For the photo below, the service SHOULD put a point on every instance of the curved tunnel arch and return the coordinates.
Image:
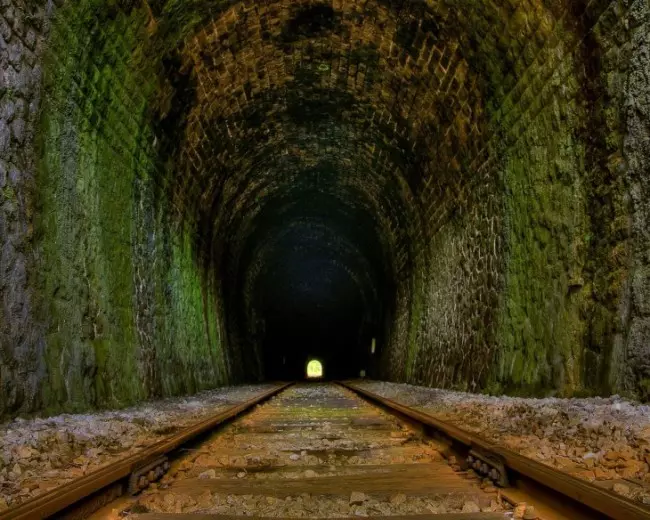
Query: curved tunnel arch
(383, 92)
(313, 111)
(433, 161)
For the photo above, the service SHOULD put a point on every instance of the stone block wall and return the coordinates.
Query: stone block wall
(22, 366)
(105, 301)
(555, 247)
(633, 90)
(494, 156)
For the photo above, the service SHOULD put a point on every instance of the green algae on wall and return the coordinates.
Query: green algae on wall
(191, 344)
(540, 310)
(131, 315)
(541, 328)
(566, 224)
(85, 195)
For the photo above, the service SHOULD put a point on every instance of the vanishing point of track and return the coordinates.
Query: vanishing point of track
(347, 452)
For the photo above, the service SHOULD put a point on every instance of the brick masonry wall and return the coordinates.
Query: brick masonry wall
(562, 249)
(495, 154)
(22, 367)
(634, 92)
(104, 302)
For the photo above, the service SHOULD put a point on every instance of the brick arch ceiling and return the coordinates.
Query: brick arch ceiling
(370, 104)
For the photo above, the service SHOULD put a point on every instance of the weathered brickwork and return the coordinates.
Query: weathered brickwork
(22, 25)
(634, 88)
(104, 304)
(479, 172)
(556, 151)
(568, 282)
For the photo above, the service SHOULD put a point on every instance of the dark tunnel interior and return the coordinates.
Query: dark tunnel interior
(316, 284)
(202, 193)
(298, 188)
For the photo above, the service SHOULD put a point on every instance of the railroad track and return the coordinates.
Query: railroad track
(83, 496)
(322, 450)
(317, 450)
(555, 495)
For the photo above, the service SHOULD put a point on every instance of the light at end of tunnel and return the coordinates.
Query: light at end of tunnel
(373, 346)
(314, 369)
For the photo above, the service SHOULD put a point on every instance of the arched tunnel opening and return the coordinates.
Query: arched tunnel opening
(199, 193)
(312, 285)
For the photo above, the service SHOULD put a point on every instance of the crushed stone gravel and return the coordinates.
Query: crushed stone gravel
(38, 455)
(601, 440)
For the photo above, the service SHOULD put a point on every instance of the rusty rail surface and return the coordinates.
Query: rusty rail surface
(580, 491)
(58, 499)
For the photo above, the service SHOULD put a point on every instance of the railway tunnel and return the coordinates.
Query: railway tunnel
(198, 193)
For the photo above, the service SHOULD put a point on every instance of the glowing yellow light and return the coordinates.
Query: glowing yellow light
(373, 346)
(314, 368)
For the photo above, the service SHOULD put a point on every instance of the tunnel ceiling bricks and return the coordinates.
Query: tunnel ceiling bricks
(242, 60)
(425, 98)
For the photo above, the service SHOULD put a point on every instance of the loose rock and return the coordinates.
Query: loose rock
(63, 447)
(621, 489)
(471, 507)
(530, 513)
(211, 473)
(594, 439)
(357, 498)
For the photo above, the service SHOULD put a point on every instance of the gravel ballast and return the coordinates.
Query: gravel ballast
(37, 455)
(602, 440)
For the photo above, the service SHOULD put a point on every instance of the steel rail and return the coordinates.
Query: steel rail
(61, 498)
(580, 491)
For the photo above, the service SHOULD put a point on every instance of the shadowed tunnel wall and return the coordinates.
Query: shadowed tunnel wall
(196, 191)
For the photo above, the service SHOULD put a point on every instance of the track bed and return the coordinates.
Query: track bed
(318, 451)
(326, 450)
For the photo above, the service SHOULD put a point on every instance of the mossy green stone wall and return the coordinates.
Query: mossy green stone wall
(130, 313)
(499, 151)
(531, 266)
(546, 231)
(566, 217)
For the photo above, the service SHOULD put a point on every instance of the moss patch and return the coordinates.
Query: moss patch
(131, 315)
